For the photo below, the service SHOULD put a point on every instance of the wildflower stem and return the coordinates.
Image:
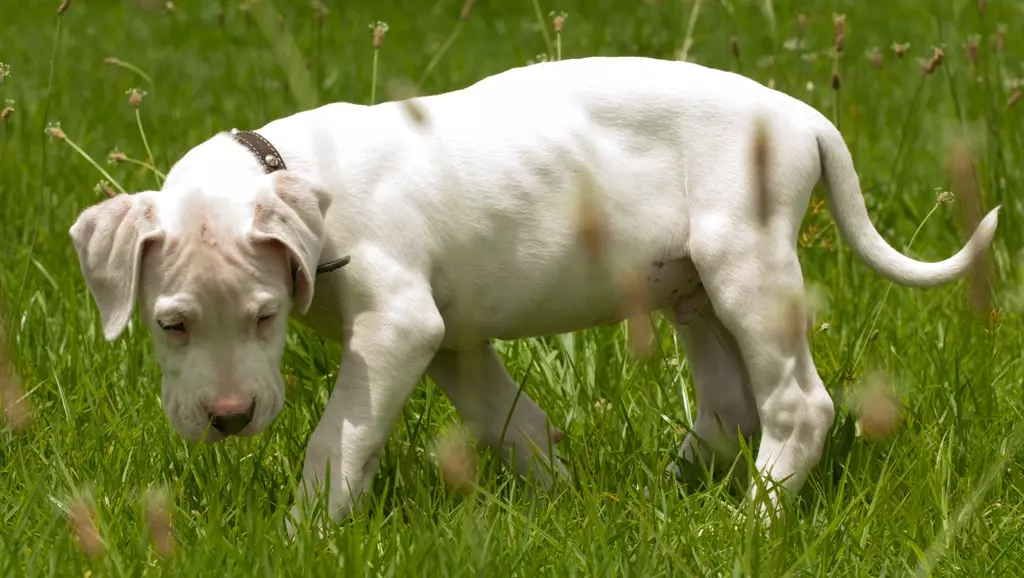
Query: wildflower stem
(558, 46)
(149, 153)
(888, 287)
(440, 52)
(543, 27)
(42, 162)
(129, 66)
(86, 156)
(373, 85)
(147, 166)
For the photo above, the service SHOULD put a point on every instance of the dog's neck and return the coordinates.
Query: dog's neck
(293, 137)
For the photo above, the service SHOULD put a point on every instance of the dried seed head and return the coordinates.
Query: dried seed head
(558, 21)
(379, 30)
(405, 93)
(591, 223)
(220, 17)
(83, 526)
(319, 9)
(835, 80)
(972, 47)
(877, 408)
(464, 14)
(1014, 98)
(135, 97)
(795, 314)
(55, 132)
(839, 22)
(981, 6)
(7, 111)
(734, 43)
(5, 71)
(840, 43)
(115, 156)
(760, 151)
(63, 7)
(112, 60)
(158, 521)
(876, 58)
(1000, 41)
(104, 187)
(944, 197)
(636, 309)
(961, 168)
(934, 62)
(900, 49)
(13, 401)
(801, 22)
(455, 456)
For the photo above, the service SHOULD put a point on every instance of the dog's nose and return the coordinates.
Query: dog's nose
(230, 414)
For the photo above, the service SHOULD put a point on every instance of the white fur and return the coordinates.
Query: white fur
(462, 228)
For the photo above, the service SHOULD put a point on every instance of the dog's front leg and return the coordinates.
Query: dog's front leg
(387, 348)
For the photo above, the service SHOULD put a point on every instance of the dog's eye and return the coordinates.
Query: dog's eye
(264, 317)
(178, 327)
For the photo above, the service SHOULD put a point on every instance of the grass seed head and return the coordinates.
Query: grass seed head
(734, 44)
(63, 7)
(760, 149)
(876, 58)
(7, 111)
(55, 132)
(971, 47)
(104, 187)
(83, 525)
(135, 97)
(1014, 98)
(877, 408)
(158, 521)
(319, 9)
(934, 62)
(591, 224)
(839, 23)
(961, 168)
(5, 71)
(1000, 41)
(636, 307)
(900, 49)
(466, 7)
(558, 21)
(379, 30)
(13, 401)
(456, 458)
(115, 156)
(835, 80)
(801, 22)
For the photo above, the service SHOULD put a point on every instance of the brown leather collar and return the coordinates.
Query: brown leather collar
(271, 160)
(261, 148)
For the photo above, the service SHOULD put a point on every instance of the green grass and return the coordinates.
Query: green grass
(945, 491)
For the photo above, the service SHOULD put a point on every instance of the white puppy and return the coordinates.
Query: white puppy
(460, 214)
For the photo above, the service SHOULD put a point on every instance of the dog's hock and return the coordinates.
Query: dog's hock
(109, 238)
(294, 216)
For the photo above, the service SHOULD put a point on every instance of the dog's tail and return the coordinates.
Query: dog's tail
(851, 215)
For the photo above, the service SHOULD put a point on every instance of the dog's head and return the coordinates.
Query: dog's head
(215, 270)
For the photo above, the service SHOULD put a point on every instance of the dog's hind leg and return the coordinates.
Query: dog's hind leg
(487, 398)
(748, 275)
(725, 404)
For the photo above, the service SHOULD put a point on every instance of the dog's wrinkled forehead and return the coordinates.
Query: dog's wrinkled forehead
(208, 246)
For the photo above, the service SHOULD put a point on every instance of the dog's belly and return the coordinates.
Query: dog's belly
(576, 298)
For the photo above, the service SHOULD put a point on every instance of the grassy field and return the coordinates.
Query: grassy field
(943, 496)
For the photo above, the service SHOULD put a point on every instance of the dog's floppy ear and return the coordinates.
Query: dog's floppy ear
(294, 216)
(109, 238)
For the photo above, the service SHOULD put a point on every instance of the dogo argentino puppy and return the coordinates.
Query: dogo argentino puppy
(460, 221)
